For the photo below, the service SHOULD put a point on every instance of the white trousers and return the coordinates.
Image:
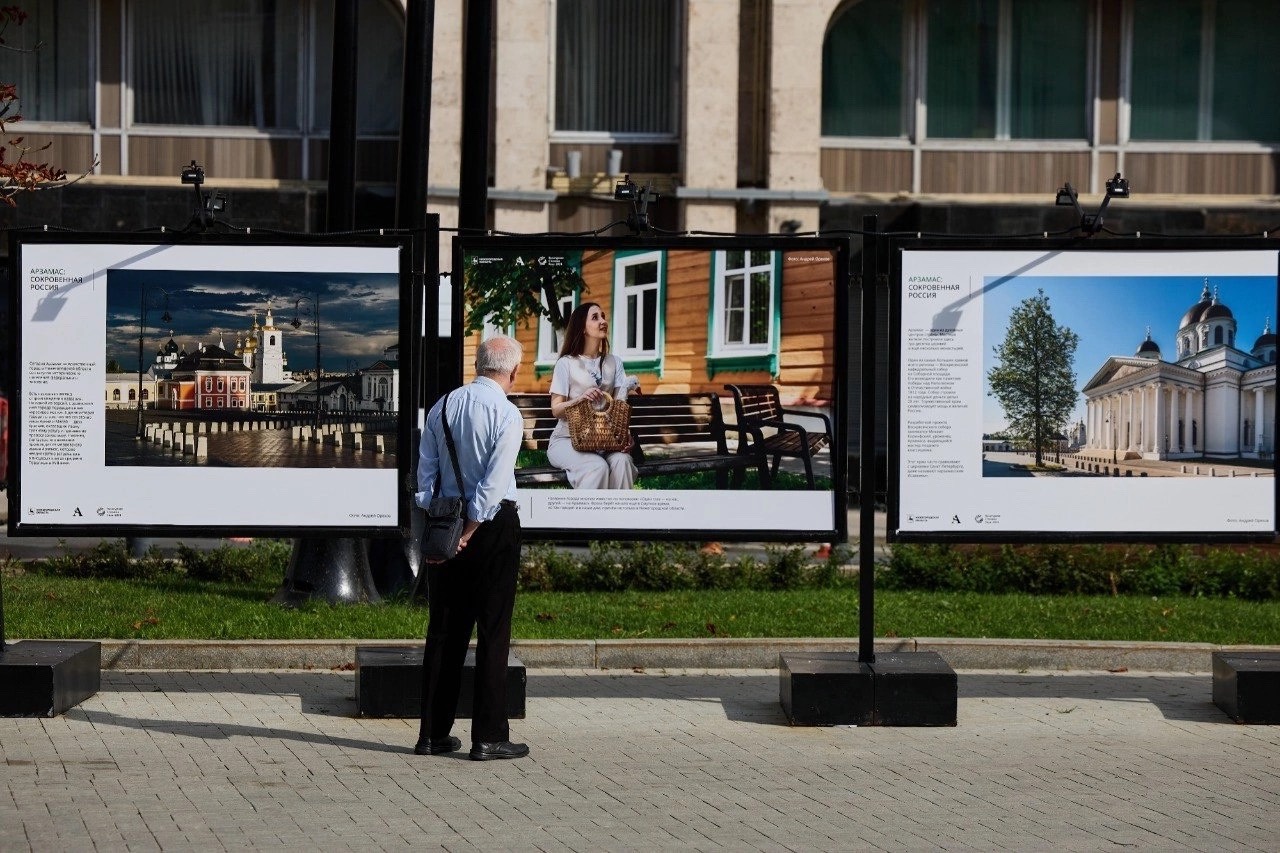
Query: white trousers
(591, 470)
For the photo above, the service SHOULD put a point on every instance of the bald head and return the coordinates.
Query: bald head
(497, 357)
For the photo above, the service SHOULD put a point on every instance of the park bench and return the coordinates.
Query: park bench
(674, 433)
(761, 420)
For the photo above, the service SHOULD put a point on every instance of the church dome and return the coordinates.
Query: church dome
(1218, 311)
(1196, 312)
(1148, 348)
(1266, 339)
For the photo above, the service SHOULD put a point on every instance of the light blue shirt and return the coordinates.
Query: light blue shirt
(487, 433)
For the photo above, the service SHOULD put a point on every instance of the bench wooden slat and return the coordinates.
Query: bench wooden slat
(657, 420)
(761, 417)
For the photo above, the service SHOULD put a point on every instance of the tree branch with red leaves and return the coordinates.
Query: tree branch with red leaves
(19, 172)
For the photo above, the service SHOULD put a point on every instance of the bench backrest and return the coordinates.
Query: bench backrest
(655, 418)
(755, 403)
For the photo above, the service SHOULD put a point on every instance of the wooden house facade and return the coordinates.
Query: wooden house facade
(694, 320)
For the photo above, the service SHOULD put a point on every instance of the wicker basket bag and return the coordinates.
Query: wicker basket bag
(603, 430)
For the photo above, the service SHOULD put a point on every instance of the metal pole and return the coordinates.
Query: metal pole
(317, 307)
(411, 193)
(477, 72)
(867, 446)
(340, 212)
(473, 168)
(422, 349)
(142, 325)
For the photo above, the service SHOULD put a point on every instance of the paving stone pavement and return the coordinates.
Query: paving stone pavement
(648, 760)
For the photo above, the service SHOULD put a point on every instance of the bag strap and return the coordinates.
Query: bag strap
(453, 453)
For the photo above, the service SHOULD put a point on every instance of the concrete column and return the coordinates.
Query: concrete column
(522, 101)
(795, 99)
(1126, 421)
(1258, 415)
(1187, 417)
(1160, 423)
(1144, 419)
(710, 148)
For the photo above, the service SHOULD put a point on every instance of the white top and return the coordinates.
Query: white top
(574, 374)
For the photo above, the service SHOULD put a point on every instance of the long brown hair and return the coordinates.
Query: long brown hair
(575, 332)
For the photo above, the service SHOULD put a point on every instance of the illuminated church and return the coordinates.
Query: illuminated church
(263, 352)
(1213, 398)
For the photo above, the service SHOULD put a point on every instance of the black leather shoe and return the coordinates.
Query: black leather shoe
(500, 749)
(437, 745)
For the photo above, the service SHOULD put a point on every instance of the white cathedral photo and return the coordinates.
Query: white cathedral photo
(1212, 398)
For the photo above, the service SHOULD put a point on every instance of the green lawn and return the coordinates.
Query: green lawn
(43, 606)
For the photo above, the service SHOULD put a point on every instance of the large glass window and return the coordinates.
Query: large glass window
(48, 59)
(215, 62)
(1200, 68)
(862, 71)
(637, 299)
(617, 66)
(238, 63)
(380, 38)
(1007, 70)
(982, 69)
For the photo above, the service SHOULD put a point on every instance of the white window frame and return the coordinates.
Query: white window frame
(622, 312)
(736, 355)
(548, 338)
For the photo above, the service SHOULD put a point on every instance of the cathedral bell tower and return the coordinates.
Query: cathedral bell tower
(269, 363)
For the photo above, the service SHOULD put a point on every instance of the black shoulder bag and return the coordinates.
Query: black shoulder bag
(445, 516)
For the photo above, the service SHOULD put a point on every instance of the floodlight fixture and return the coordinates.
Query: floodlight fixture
(207, 204)
(1117, 187)
(1091, 223)
(626, 189)
(193, 174)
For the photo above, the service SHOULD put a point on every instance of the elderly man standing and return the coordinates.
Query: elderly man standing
(477, 587)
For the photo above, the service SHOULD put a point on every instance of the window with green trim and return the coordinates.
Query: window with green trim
(745, 310)
(638, 284)
(549, 337)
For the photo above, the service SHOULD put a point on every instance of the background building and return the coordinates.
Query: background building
(746, 115)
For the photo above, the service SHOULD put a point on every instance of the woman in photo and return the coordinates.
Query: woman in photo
(587, 371)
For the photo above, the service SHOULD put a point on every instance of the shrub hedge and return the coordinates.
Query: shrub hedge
(1250, 573)
(1162, 570)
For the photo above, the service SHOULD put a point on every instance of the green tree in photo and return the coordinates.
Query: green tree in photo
(507, 291)
(1033, 380)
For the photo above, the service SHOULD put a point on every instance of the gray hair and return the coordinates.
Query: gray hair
(498, 356)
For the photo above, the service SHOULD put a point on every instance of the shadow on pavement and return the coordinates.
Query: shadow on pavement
(1183, 697)
(224, 731)
(747, 696)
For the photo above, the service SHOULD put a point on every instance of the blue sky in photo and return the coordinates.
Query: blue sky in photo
(359, 313)
(1111, 315)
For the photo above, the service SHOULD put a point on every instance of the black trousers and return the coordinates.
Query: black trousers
(474, 590)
